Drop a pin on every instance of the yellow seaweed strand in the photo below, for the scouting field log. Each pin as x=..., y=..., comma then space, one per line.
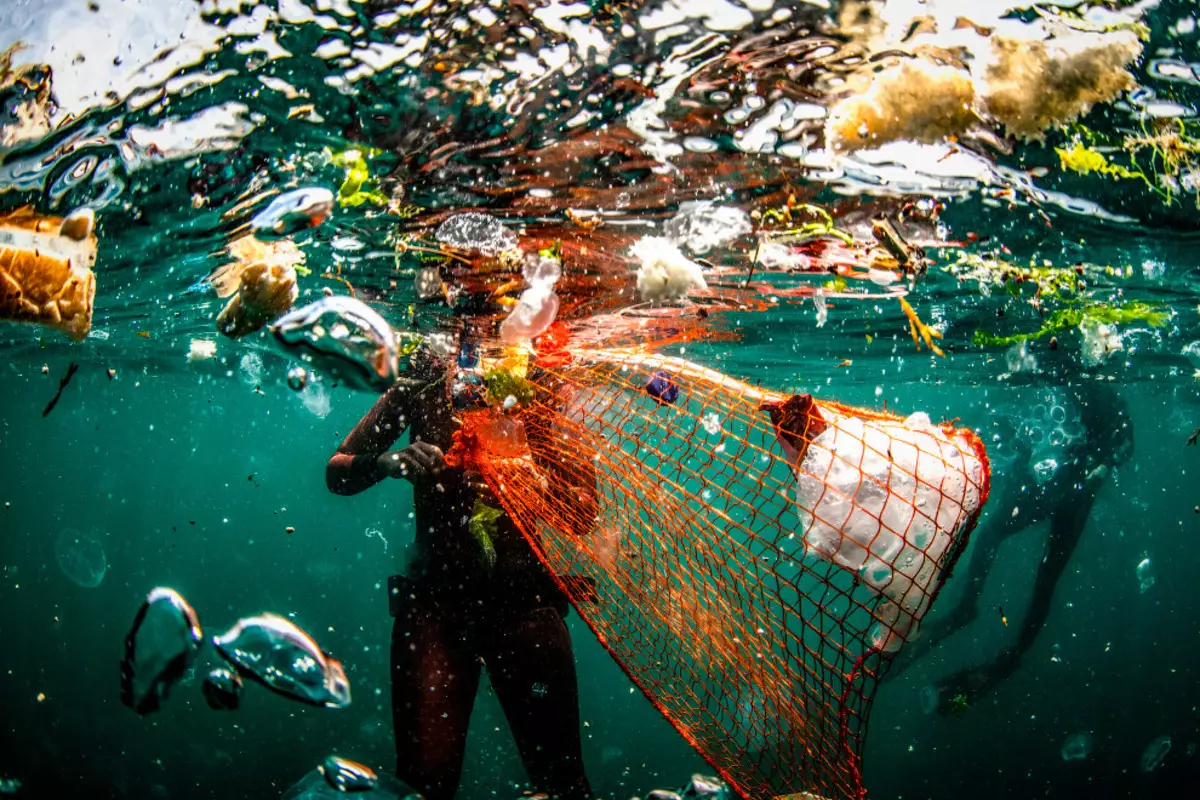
x=920, y=330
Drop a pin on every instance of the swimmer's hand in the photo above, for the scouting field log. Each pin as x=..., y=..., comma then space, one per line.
x=417, y=463
x=476, y=482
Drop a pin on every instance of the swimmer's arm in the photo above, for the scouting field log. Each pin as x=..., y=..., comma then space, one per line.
x=355, y=466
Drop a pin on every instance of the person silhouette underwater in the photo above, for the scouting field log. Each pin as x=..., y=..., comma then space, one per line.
x=1055, y=458
x=463, y=603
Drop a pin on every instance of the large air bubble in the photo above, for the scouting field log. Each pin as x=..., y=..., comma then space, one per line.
x=279, y=655
x=160, y=648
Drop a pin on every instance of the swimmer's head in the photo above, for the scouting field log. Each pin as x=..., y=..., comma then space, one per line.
x=479, y=270
x=477, y=288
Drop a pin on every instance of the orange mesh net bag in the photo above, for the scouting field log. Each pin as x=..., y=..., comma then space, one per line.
x=751, y=559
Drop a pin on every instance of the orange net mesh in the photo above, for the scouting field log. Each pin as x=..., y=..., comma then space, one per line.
x=751, y=559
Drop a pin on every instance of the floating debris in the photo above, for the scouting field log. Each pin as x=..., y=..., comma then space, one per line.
x=705, y=226
x=479, y=233
x=222, y=689
x=201, y=349
x=537, y=307
x=664, y=272
x=292, y=212
x=1077, y=747
x=1155, y=752
x=260, y=282
x=920, y=330
x=72, y=368
x=46, y=270
x=279, y=655
x=662, y=388
x=160, y=647
x=343, y=337
x=703, y=786
x=81, y=558
x=348, y=776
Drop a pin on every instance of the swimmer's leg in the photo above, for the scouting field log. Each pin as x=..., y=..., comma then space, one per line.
x=435, y=675
x=987, y=544
x=1066, y=526
x=532, y=668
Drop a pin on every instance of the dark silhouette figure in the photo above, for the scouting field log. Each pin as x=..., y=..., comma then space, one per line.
x=463, y=607
x=1052, y=461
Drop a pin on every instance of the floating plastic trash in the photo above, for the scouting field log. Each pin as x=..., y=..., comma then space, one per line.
x=1155, y=752
x=317, y=784
x=704, y=226
x=344, y=338
x=662, y=388
x=292, y=212
x=476, y=232
x=46, y=270
x=348, y=776
x=160, y=648
x=279, y=655
x=1077, y=747
x=222, y=689
x=81, y=558
x=816, y=540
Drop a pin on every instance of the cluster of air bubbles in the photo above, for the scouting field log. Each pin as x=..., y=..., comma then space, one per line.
x=251, y=369
x=1052, y=426
x=165, y=641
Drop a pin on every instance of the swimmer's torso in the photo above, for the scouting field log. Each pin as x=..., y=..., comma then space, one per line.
x=446, y=552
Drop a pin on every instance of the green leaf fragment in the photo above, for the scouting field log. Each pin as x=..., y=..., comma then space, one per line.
x=357, y=187
x=502, y=383
x=482, y=526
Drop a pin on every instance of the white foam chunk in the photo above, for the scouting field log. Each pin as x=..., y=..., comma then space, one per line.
x=886, y=500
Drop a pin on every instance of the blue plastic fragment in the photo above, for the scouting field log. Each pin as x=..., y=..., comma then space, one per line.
x=662, y=388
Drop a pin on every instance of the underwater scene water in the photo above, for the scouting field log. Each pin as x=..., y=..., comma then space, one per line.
x=762, y=273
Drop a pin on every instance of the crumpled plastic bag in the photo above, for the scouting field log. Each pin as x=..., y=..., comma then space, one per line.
x=46, y=270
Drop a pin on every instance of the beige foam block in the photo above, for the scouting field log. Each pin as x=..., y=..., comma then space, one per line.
x=46, y=270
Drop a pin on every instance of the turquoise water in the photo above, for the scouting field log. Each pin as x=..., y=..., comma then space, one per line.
x=207, y=474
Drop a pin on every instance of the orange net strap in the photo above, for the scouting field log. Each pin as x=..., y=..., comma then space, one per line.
x=751, y=559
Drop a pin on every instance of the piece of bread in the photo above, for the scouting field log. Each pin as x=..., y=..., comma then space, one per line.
x=46, y=270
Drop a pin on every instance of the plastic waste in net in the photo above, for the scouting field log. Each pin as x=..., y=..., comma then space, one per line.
x=751, y=559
